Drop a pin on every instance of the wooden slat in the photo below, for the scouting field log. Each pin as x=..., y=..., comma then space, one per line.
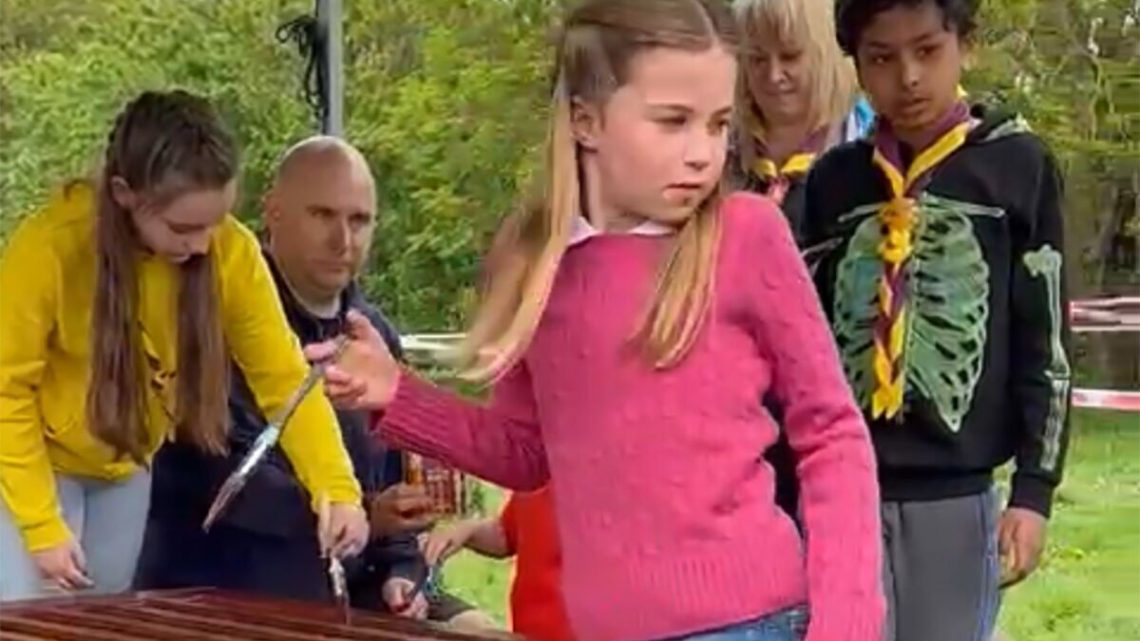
x=8, y=635
x=111, y=620
x=46, y=630
x=244, y=625
x=206, y=615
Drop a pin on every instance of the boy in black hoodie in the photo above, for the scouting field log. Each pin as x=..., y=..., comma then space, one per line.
x=936, y=245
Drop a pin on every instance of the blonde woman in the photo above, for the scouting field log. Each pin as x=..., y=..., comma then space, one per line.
x=797, y=97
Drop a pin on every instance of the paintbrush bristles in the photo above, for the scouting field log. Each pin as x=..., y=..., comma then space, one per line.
x=225, y=495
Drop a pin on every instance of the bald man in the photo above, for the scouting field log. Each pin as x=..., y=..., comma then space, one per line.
x=319, y=216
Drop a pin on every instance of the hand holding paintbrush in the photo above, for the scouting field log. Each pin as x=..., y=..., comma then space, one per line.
x=269, y=436
x=367, y=375
x=325, y=539
x=341, y=527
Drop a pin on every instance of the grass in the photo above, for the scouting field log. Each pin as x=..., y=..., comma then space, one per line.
x=1088, y=586
x=479, y=580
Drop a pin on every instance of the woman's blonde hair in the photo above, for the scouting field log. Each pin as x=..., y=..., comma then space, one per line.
x=597, y=43
x=806, y=24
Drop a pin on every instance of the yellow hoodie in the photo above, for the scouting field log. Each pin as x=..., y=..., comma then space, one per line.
x=47, y=281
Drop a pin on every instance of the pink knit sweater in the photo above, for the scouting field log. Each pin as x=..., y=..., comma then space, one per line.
x=665, y=506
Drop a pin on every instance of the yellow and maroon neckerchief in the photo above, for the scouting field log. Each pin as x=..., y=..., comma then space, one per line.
x=898, y=218
x=777, y=178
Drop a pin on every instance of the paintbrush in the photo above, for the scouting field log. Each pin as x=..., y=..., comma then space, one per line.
x=336, y=568
x=268, y=437
x=426, y=585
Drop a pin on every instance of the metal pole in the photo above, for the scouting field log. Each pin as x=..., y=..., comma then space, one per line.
x=330, y=17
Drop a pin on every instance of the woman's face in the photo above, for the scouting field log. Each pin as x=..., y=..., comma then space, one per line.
x=779, y=80
x=180, y=228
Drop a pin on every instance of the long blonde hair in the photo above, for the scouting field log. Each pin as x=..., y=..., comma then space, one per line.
x=794, y=23
x=598, y=40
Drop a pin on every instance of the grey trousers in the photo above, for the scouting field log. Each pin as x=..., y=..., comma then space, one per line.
x=941, y=568
x=107, y=518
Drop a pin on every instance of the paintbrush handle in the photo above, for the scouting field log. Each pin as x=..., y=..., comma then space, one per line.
x=425, y=584
x=272, y=432
x=265, y=442
x=316, y=371
x=269, y=436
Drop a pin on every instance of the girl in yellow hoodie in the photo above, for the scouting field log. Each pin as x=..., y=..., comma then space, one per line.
x=122, y=305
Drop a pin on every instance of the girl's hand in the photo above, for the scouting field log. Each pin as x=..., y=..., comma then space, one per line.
x=365, y=376
x=342, y=530
x=440, y=544
x=64, y=565
x=395, y=593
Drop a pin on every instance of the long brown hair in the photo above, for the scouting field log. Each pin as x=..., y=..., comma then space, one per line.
x=598, y=40
x=163, y=145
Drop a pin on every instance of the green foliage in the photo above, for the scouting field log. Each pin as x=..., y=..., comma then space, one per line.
x=447, y=100
x=1071, y=68
x=444, y=98
x=61, y=90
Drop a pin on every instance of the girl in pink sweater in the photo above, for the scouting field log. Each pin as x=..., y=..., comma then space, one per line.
x=633, y=319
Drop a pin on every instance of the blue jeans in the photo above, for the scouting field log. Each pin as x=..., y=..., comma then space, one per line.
x=106, y=517
x=786, y=625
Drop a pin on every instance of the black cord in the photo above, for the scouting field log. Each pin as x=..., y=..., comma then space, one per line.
x=304, y=31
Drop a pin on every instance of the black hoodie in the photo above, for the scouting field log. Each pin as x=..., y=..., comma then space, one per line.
x=987, y=368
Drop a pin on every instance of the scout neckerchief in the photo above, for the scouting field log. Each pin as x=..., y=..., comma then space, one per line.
x=777, y=178
x=898, y=218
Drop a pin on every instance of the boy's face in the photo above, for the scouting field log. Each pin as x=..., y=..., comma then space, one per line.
x=910, y=63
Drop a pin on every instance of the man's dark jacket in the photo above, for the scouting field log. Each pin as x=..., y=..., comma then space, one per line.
x=266, y=542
